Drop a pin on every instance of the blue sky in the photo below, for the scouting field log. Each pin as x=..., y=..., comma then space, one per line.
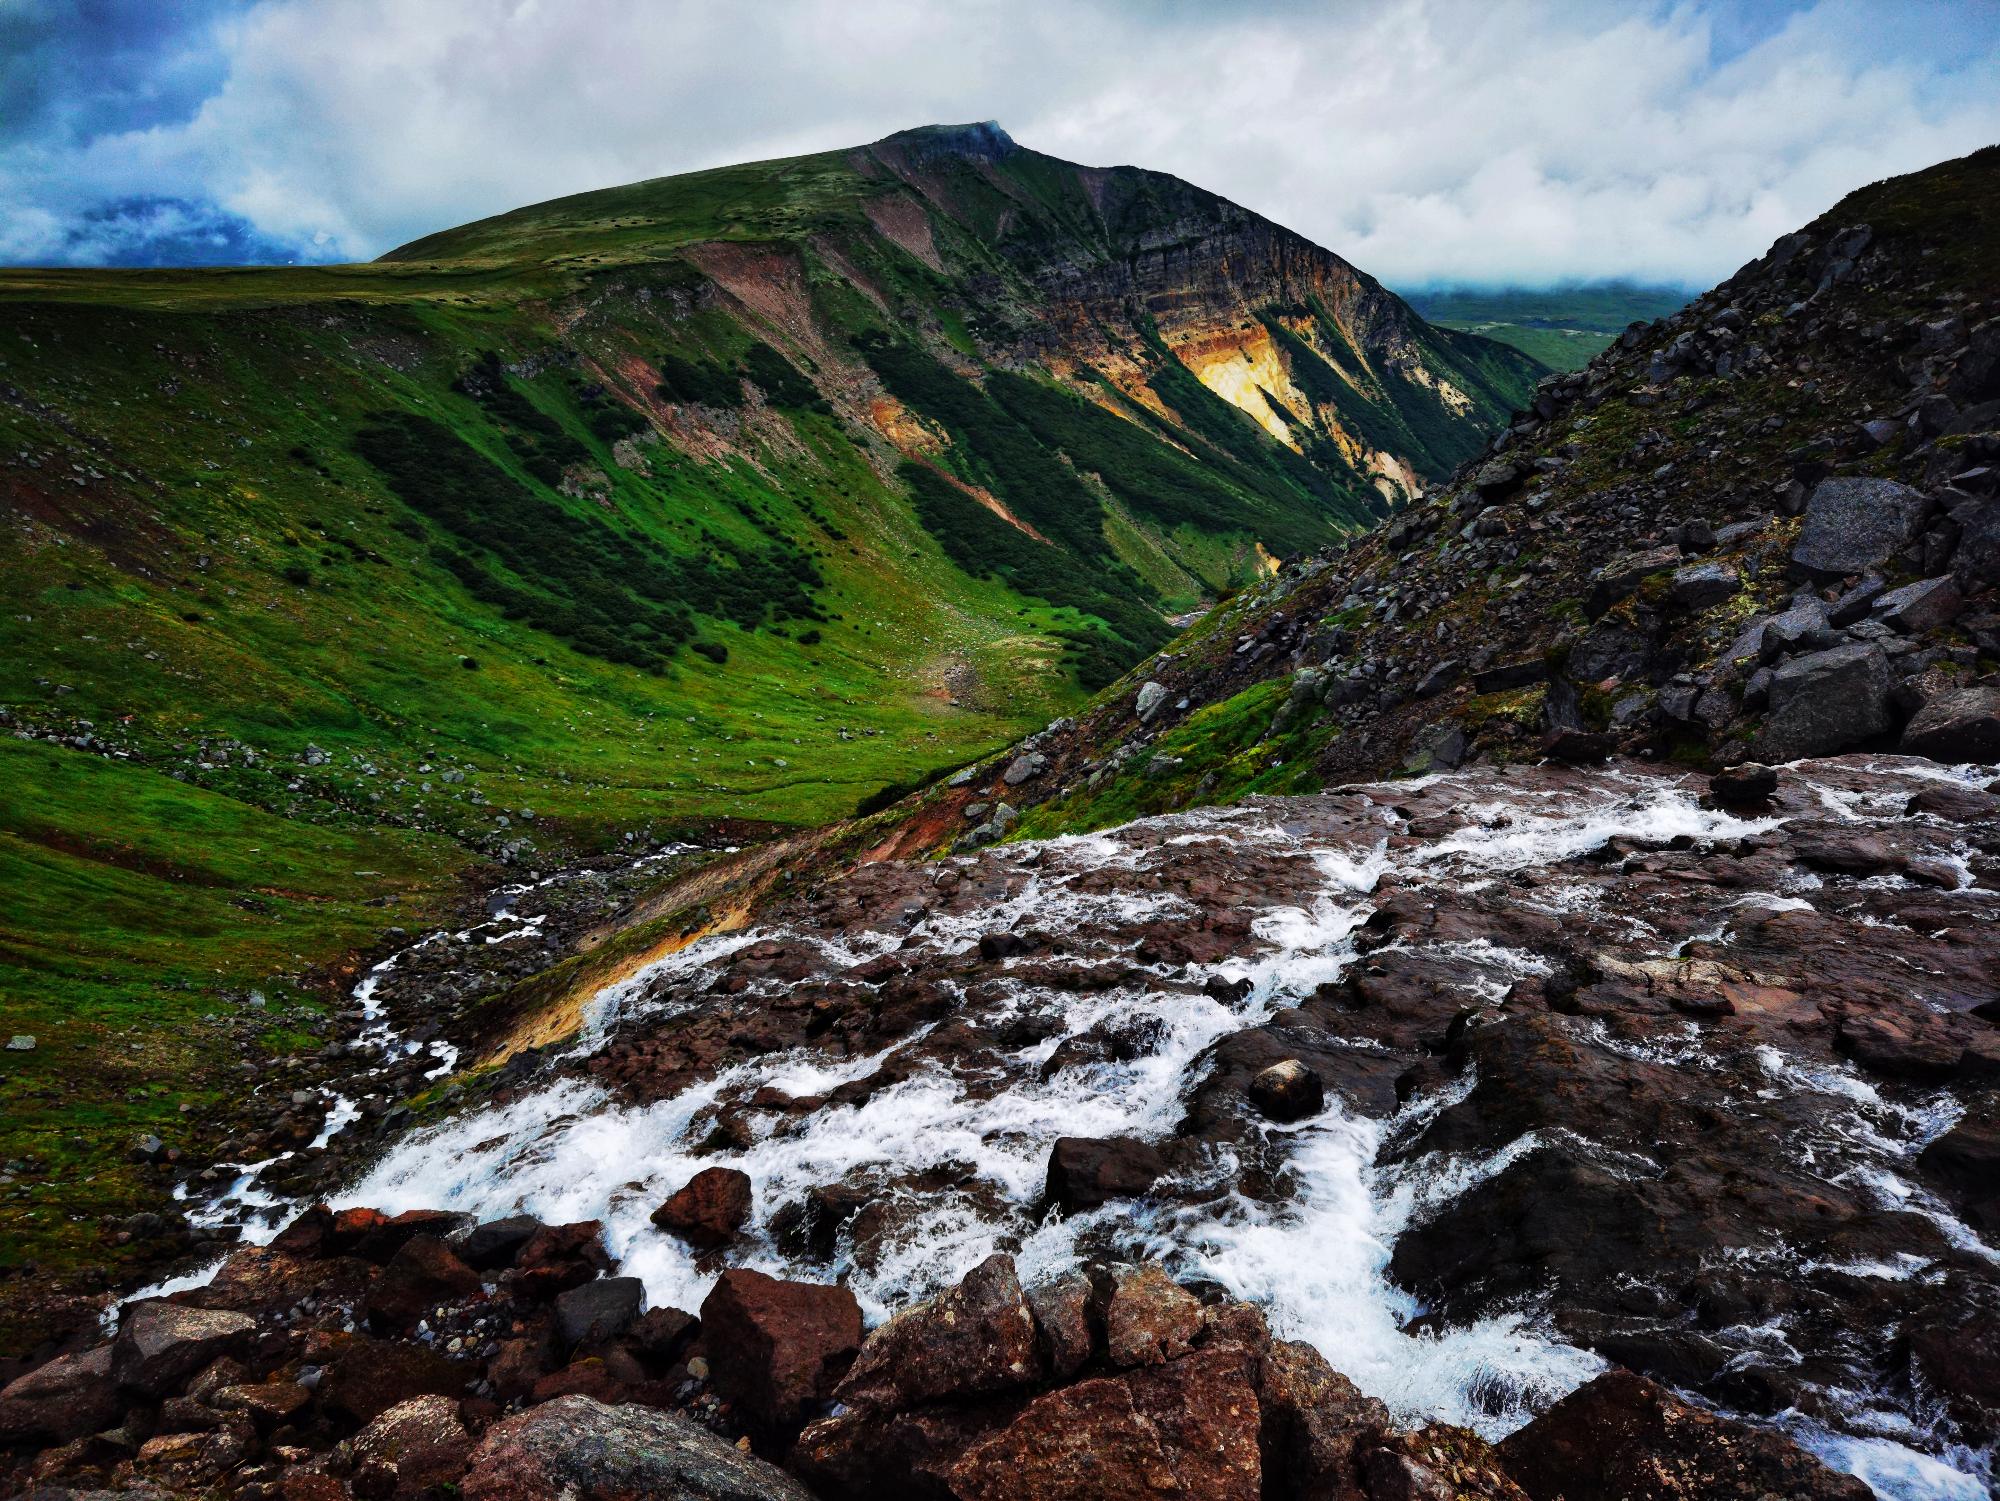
x=1512, y=141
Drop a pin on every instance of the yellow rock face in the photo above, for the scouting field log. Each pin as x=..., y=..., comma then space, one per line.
x=1240, y=366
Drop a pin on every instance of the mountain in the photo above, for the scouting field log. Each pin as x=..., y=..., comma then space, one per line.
x=1653, y=558
x=1563, y=327
x=696, y=508
x=1444, y=1058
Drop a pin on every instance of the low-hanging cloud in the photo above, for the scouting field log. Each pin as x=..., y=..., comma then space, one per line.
x=1426, y=140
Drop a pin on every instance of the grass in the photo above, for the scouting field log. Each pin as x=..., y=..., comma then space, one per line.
x=344, y=587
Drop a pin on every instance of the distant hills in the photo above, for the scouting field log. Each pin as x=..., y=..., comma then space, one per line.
x=1563, y=327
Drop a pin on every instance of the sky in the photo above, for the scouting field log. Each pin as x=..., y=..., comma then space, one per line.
x=1431, y=142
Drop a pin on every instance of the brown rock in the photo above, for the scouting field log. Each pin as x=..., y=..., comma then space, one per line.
x=1085, y=1172
x=366, y=1377
x=1062, y=1318
x=558, y=1257
x=1314, y=1417
x=268, y=1403
x=1149, y=1318
x=411, y=1449
x=65, y=1399
x=423, y=1274
x=584, y=1450
x=976, y=1339
x=160, y=1344
x=1621, y=1435
x=708, y=1209
x=1287, y=1091
x=1186, y=1429
x=778, y=1349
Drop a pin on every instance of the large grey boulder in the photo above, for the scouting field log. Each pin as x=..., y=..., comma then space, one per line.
x=1151, y=696
x=1963, y=725
x=1853, y=525
x=582, y=1449
x=1826, y=701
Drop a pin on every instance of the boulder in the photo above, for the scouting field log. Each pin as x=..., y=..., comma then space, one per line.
x=1963, y=725
x=1623, y=1436
x=1188, y=1429
x=1151, y=696
x=557, y=1257
x=1965, y=1161
x=1287, y=1091
x=1149, y=1318
x=975, y=1339
x=1064, y=1323
x=1923, y=606
x=1749, y=785
x=1703, y=585
x=1024, y=768
x=366, y=1377
x=1827, y=701
x=709, y=1208
x=599, y=1311
x=583, y=1450
x=160, y=1345
x=65, y=1399
x=1854, y=524
x=412, y=1450
x=419, y=1277
x=1313, y=1419
x=1086, y=1172
x=494, y=1245
x=1804, y=626
x=778, y=1349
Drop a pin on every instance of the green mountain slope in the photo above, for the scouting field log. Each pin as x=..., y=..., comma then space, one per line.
x=1563, y=327
x=739, y=498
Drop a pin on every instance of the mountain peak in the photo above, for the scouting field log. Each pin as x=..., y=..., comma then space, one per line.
x=983, y=138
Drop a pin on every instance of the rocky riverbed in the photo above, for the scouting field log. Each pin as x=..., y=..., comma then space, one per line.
x=1481, y=1088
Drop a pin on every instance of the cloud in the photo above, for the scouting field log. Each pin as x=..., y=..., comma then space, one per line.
x=1426, y=140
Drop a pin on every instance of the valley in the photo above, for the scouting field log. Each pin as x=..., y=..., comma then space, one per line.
x=927, y=822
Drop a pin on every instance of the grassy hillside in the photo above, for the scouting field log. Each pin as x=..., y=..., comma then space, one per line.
x=734, y=500
x=1563, y=327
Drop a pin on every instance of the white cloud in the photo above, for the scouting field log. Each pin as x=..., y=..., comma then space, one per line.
x=1423, y=139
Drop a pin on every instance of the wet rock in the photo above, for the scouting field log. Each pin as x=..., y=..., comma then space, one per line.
x=581, y=1449
x=599, y=1311
x=1902, y=1047
x=709, y=1209
x=1827, y=701
x=976, y=1339
x=778, y=1349
x=64, y=1399
x=412, y=1450
x=1188, y=1429
x=1148, y=1318
x=1287, y=1091
x=1855, y=524
x=1965, y=1162
x=1086, y=1172
x=1621, y=1435
x=423, y=1274
x=1954, y=804
x=558, y=1257
x=1746, y=786
x=1579, y=747
x=1958, y=726
x=160, y=1345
